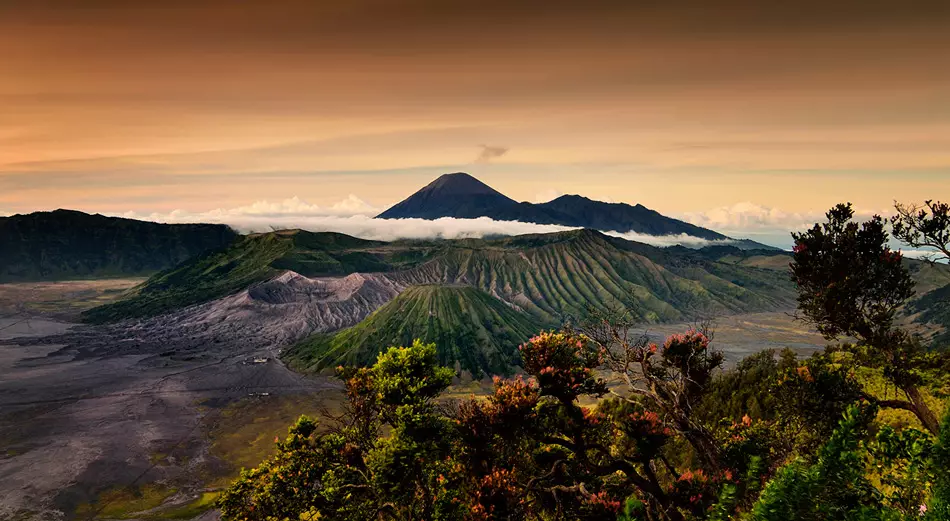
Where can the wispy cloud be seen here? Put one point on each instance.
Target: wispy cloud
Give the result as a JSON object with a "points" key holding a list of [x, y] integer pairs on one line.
{"points": [[669, 240], [488, 153], [547, 195]]}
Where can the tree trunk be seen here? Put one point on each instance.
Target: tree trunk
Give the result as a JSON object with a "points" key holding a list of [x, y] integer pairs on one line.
{"points": [[702, 443], [922, 411]]}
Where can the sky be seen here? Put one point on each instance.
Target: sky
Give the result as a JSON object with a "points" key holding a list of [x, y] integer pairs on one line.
{"points": [[747, 117]]}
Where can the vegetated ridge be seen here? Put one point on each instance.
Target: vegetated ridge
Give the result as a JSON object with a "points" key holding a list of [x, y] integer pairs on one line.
{"points": [[66, 244], [472, 330], [552, 277], [250, 260]]}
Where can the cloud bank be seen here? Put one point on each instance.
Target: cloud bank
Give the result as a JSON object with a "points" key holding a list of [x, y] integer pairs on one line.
{"points": [[750, 217], [353, 216], [663, 241]]}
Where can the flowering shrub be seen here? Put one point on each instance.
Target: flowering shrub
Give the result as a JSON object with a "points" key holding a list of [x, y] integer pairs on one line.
{"points": [[563, 364], [531, 451]]}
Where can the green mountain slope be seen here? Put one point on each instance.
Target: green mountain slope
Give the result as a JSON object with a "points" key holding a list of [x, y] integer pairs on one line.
{"points": [[931, 304], [552, 277], [472, 330], [65, 244], [556, 276], [249, 260]]}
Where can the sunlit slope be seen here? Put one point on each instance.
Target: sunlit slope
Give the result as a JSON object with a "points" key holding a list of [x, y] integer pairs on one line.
{"points": [[472, 330], [555, 277], [247, 261]]}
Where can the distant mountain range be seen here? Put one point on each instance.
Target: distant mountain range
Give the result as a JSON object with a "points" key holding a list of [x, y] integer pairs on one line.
{"points": [[66, 244], [462, 196]]}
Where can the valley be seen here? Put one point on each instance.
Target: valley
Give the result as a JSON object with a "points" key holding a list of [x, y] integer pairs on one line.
{"points": [[142, 398], [146, 428]]}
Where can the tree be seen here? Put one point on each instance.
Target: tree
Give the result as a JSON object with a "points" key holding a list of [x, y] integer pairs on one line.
{"points": [[672, 379], [351, 471], [851, 284], [924, 226]]}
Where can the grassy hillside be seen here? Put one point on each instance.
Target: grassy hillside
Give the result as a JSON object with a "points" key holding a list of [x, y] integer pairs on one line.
{"points": [[472, 330], [552, 277], [249, 260], [69, 245], [556, 276]]}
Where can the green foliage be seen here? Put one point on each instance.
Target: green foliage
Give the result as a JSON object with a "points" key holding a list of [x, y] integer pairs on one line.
{"points": [[812, 397], [902, 460], [939, 507], [530, 451], [850, 283], [832, 488], [473, 331], [747, 389], [353, 471]]}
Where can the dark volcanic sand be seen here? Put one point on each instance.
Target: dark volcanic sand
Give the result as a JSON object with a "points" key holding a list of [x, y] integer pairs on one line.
{"points": [[113, 409]]}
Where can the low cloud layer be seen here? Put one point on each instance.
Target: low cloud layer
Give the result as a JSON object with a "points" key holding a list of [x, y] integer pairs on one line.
{"points": [[682, 239], [353, 216]]}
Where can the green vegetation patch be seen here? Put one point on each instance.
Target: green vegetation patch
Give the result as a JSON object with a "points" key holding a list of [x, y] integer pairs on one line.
{"points": [[124, 502], [242, 434], [473, 331]]}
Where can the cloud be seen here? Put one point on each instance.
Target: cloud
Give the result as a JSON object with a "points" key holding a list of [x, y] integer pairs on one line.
{"points": [[670, 240], [547, 195], [353, 216], [749, 217], [918, 254], [265, 211], [488, 153], [251, 219]]}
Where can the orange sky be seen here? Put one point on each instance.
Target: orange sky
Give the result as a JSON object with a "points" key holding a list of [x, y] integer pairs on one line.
{"points": [[683, 106]]}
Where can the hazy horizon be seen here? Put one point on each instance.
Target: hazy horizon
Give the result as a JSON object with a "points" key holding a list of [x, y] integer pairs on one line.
{"points": [[749, 119]]}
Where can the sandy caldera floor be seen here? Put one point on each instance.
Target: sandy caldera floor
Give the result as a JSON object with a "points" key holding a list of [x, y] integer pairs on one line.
{"points": [[110, 432]]}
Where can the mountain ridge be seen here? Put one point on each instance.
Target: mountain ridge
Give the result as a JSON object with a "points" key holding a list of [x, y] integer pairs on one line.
{"points": [[463, 196], [68, 244], [551, 276], [473, 331]]}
